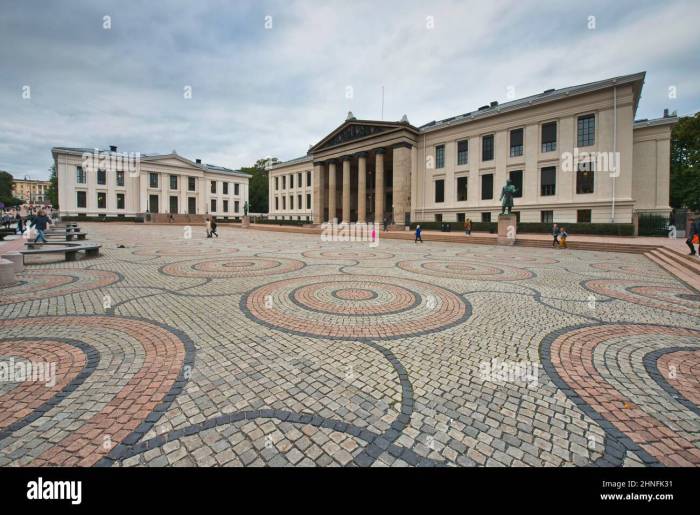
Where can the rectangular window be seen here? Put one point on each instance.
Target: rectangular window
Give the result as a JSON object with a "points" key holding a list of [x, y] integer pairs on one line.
{"points": [[101, 200], [516, 142], [213, 187], [299, 180], [120, 201], [213, 205], [516, 177], [284, 203], [299, 202], [80, 175], [462, 185], [101, 177], [487, 148], [584, 178], [225, 205], [277, 183], [235, 188], [291, 200], [173, 182], [308, 178], [586, 130], [153, 203], [277, 203], [308, 201], [549, 137], [291, 181], [225, 191], [487, 186], [120, 178], [284, 182], [583, 216], [486, 216], [192, 205], [191, 182], [235, 206], [547, 217], [440, 191], [81, 199], [173, 205], [153, 180], [462, 152], [548, 181], [460, 217], [438, 217], [440, 156]]}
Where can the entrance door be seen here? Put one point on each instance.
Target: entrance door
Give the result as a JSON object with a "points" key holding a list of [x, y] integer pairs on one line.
{"points": [[153, 203], [192, 205]]}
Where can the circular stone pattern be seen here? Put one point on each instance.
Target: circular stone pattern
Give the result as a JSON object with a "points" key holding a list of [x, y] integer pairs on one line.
{"points": [[467, 270], [183, 251], [225, 268], [55, 282], [618, 394], [670, 298], [355, 307], [347, 254], [515, 258], [609, 266]]}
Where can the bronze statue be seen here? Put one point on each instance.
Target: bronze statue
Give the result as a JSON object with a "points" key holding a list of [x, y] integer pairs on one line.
{"points": [[507, 197]]}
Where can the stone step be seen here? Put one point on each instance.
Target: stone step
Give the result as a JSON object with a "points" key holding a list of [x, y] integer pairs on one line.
{"points": [[692, 263], [689, 278]]}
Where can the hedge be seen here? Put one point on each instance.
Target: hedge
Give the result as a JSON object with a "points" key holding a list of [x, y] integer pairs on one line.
{"points": [[82, 218], [536, 228], [263, 221]]}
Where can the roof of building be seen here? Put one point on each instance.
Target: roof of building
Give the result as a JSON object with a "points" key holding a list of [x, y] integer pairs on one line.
{"points": [[549, 95], [664, 120], [204, 166], [290, 162]]}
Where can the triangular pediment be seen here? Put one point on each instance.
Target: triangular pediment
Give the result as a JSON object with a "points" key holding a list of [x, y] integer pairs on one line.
{"points": [[354, 130], [170, 160]]}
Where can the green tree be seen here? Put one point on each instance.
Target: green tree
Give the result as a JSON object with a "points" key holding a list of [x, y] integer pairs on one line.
{"points": [[258, 185], [52, 190], [6, 196], [685, 163]]}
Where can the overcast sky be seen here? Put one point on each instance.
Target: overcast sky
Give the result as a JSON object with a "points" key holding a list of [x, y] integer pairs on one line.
{"points": [[272, 78]]}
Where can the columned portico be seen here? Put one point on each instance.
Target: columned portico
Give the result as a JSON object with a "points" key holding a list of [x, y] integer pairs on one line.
{"points": [[362, 188], [332, 194], [318, 192], [346, 189], [379, 186]]}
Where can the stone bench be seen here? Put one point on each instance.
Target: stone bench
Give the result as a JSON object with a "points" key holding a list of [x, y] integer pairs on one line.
{"points": [[68, 236], [68, 249], [6, 232]]}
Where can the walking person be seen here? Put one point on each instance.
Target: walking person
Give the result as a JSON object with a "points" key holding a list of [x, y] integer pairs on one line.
{"points": [[555, 234], [693, 235], [562, 238], [418, 235], [20, 224], [208, 227], [213, 226], [41, 221], [468, 227]]}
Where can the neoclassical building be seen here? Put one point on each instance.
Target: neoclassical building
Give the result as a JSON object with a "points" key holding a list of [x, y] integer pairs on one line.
{"points": [[94, 182], [575, 154], [30, 190]]}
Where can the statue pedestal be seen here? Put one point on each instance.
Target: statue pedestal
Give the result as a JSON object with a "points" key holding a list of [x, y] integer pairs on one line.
{"points": [[245, 222], [507, 229]]}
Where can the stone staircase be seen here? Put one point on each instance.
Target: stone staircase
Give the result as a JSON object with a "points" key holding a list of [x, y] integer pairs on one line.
{"points": [[685, 268]]}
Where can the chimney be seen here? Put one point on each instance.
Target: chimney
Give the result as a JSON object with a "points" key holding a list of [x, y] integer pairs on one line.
{"points": [[665, 113], [494, 103], [112, 148], [198, 161]]}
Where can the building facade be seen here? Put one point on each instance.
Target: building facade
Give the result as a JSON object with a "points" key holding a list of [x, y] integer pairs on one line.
{"points": [[574, 154], [121, 185], [31, 191]]}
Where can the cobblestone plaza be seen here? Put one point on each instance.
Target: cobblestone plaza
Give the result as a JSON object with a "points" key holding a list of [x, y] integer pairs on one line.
{"points": [[273, 348]]}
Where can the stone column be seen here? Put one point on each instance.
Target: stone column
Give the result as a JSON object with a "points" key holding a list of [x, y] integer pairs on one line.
{"points": [[346, 189], [402, 183], [331, 191], [362, 188], [317, 193], [379, 186]]}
